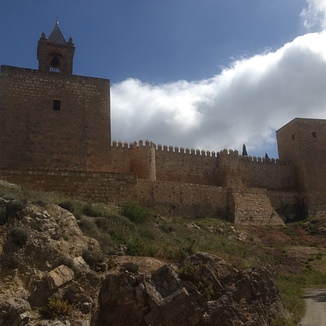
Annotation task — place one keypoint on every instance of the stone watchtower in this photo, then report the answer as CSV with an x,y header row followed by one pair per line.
x,y
302,142
52,119
55,54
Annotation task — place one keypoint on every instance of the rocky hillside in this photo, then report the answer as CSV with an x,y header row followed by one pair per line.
x,y
51,273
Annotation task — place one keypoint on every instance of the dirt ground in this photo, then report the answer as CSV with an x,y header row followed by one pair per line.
x,y
293,246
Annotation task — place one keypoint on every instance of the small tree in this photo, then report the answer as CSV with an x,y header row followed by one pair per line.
x,y
244,150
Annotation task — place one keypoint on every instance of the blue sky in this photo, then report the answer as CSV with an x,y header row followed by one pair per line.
x,y
208,74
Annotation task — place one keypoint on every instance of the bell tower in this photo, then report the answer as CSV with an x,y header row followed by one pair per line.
x,y
54,53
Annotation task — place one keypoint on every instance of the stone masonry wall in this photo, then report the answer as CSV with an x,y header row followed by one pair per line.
x,y
222,169
268,174
252,206
173,198
256,172
137,158
166,164
169,198
187,166
36,135
289,204
89,186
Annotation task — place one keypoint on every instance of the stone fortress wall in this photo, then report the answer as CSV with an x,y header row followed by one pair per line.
x,y
55,135
220,169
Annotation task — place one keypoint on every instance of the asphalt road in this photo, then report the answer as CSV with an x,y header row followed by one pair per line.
x,y
315,300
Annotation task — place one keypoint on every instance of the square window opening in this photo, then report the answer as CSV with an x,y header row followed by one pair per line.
x,y
56,105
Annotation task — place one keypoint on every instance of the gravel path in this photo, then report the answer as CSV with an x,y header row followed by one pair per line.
x,y
315,300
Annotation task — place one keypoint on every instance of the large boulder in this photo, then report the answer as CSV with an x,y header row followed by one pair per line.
x,y
205,290
158,299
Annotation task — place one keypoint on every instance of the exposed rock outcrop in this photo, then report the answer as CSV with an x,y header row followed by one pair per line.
x,y
163,298
41,252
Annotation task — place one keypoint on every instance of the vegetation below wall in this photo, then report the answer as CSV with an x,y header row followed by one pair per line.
x,y
295,254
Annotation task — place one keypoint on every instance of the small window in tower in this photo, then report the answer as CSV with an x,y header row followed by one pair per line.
x,y
292,137
56,105
314,134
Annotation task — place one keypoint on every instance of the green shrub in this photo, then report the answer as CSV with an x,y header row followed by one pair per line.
x,y
138,246
103,224
95,210
56,308
206,290
134,213
166,228
69,205
19,236
11,209
192,272
93,257
189,272
88,226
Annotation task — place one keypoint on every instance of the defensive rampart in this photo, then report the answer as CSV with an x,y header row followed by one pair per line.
x,y
221,169
89,186
169,198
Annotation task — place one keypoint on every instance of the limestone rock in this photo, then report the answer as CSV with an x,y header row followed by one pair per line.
x,y
14,312
59,276
162,298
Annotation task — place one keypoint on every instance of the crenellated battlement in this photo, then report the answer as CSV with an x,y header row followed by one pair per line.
x,y
177,164
251,159
163,148
258,159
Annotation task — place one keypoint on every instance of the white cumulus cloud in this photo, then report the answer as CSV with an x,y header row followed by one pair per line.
x,y
315,14
245,103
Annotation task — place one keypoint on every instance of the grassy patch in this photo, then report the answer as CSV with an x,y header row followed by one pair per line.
x,y
291,288
134,213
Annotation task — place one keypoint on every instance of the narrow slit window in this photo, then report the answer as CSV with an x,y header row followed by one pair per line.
x,y
56,105
314,134
292,137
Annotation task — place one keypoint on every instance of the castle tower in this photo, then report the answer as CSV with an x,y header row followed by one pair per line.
x,y
55,54
303,143
52,119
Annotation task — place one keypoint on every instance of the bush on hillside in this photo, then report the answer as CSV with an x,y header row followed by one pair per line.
x,y
134,213
56,308
19,236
